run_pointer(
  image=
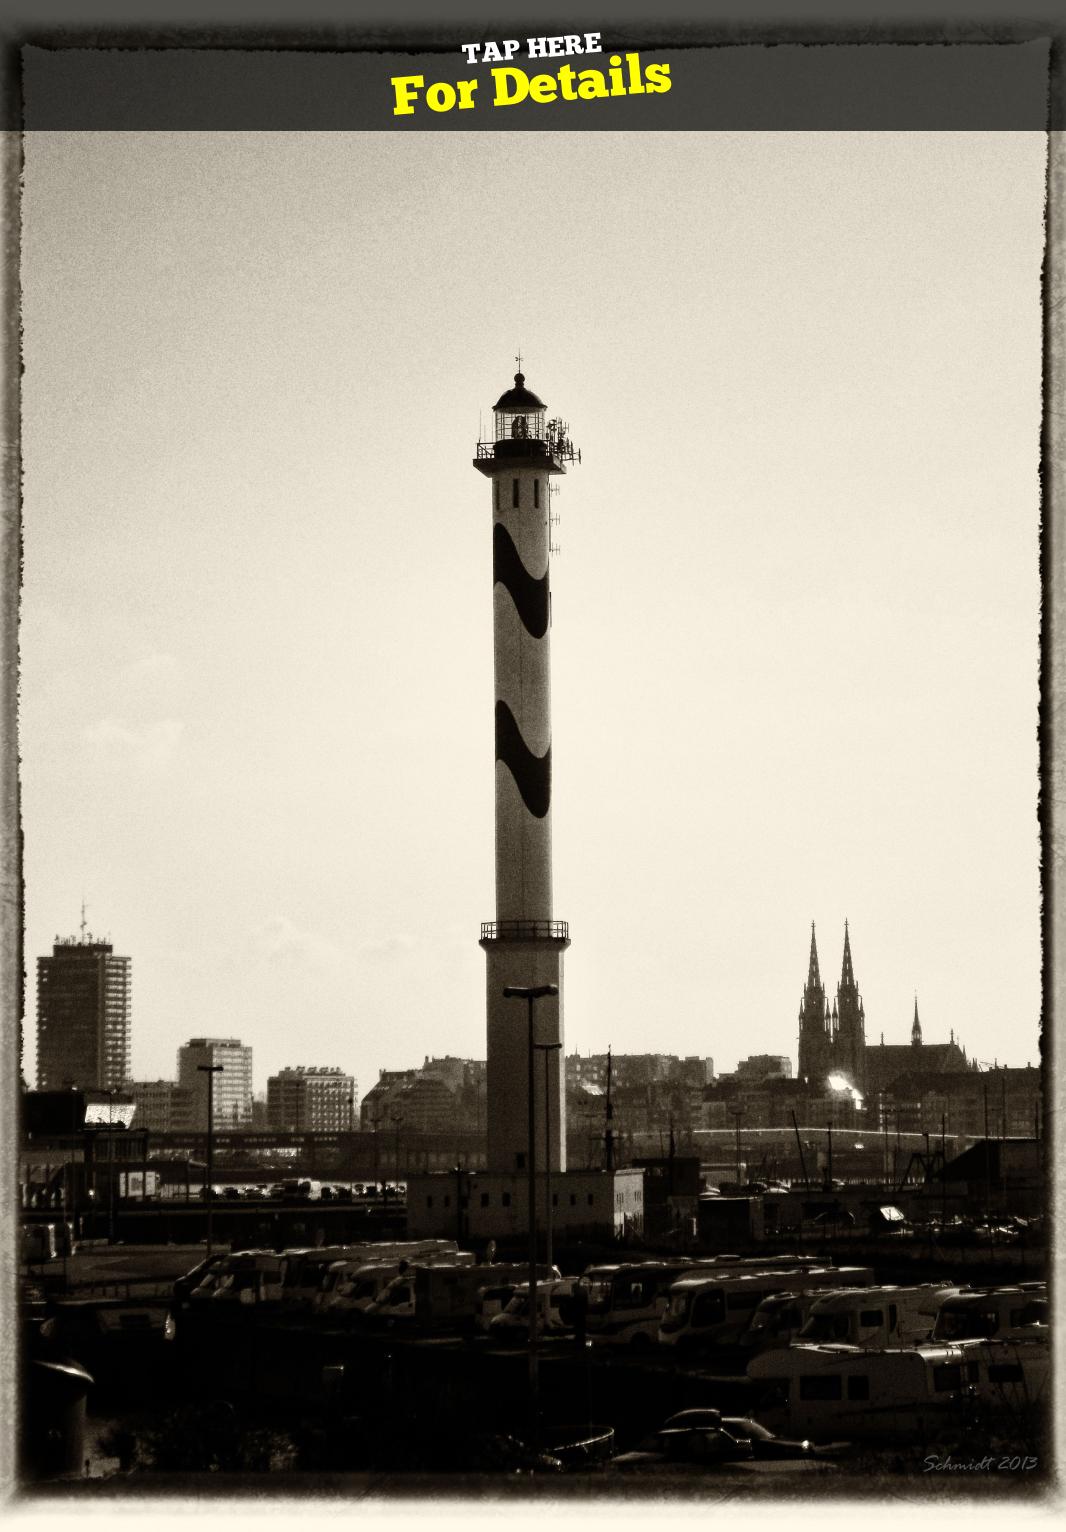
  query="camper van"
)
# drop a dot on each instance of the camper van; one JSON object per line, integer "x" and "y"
{"x": 1001, "y": 1313}
{"x": 626, "y": 1303}
{"x": 443, "y": 1297}
{"x": 710, "y": 1311}
{"x": 350, "y": 1287}
{"x": 307, "y": 1269}
{"x": 490, "y": 1301}
{"x": 832, "y": 1391}
{"x": 252, "y": 1277}
{"x": 556, "y": 1312}
{"x": 872, "y": 1317}
{"x": 779, "y": 1317}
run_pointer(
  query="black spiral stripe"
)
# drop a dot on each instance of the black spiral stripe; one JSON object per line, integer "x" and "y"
{"x": 530, "y": 596}
{"x": 532, "y": 773}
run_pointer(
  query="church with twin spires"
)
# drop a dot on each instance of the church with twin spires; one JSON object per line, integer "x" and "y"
{"x": 832, "y": 1039}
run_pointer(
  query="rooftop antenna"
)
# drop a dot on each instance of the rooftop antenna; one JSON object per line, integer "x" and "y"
{"x": 83, "y": 917}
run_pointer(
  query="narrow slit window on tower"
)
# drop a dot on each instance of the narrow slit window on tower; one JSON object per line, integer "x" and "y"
{"x": 514, "y": 493}
{"x": 496, "y": 487}
{"x": 536, "y": 494}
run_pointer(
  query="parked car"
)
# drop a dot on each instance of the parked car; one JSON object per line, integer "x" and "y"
{"x": 708, "y": 1436}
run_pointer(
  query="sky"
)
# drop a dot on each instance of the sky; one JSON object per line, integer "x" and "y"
{"x": 795, "y": 610}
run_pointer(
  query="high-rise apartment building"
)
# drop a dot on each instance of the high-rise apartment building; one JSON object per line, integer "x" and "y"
{"x": 306, "y": 1099}
{"x": 232, "y": 1106}
{"x": 83, "y": 1016}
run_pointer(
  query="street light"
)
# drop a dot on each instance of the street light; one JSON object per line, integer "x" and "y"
{"x": 531, "y": 994}
{"x": 110, "y": 1168}
{"x": 210, "y": 1070}
{"x": 547, "y": 1049}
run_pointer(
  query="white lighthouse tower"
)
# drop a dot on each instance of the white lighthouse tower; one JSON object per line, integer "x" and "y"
{"x": 524, "y": 945}
{"x": 516, "y": 1196}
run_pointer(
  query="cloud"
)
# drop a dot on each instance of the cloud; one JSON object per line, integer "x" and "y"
{"x": 149, "y": 748}
{"x": 283, "y": 942}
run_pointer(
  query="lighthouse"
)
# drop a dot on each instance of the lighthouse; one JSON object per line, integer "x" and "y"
{"x": 524, "y": 944}
{"x": 519, "y": 1192}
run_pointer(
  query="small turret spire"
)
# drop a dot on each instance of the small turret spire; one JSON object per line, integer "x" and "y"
{"x": 916, "y": 1027}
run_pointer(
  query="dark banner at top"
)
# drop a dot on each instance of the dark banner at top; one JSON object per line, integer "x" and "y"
{"x": 578, "y": 81}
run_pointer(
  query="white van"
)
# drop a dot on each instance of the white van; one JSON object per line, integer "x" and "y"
{"x": 490, "y": 1301}
{"x": 352, "y": 1286}
{"x": 705, "y": 1312}
{"x": 833, "y": 1391}
{"x": 555, "y": 1312}
{"x": 443, "y": 1295}
{"x": 248, "y": 1277}
{"x": 778, "y": 1318}
{"x": 999, "y": 1313}
{"x": 626, "y": 1303}
{"x": 872, "y": 1317}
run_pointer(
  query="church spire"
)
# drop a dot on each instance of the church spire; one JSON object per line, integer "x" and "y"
{"x": 916, "y": 1027}
{"x": 814, "y": 979}
{"x": 813, "y": 1021}
{"x": 850, "y": 1028}
{"x": 847, "y": 973}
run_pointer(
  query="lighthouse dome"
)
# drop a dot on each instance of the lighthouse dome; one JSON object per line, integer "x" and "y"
{"x": 519, "y": 398}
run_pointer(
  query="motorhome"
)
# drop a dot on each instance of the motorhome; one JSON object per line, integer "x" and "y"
{"x": 626, "y": 1303}
{"x": 490, "y": 1301}
{"x": 872, "y": 1317}
{"x": 709, "y": 1311}
{"x": 350, "y": 1287}
{"x": 1000, "y": 1313}
{"x": 444, "y": 1296}
{"x": 307, "y": 1269}
{"x": 780, "y": 1316}
{"x": 556, "y": 1312}
{"x": 248, "y": 1277}
{"x": 831, "y": 1391}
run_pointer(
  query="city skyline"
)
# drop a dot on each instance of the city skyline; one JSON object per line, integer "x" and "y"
{"x": 262, "y": 1092}
{"x": 795, "y": 617}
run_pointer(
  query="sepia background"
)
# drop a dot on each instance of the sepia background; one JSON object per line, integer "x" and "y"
{"x": 795, "y": 614}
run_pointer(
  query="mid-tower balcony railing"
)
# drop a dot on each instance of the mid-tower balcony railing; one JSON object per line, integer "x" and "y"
{"x": 525, "y": 931}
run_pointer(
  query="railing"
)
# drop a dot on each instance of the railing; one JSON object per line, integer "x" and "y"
{"x": 525, "y": 930}
{"x": 514, "y": 446}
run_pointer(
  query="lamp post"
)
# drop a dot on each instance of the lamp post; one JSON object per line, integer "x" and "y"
{"x": 351, "y": 1139}
{"x": 547, "y": 1049}
{"x": 210, "y": 1070}
{"x": 110, "y": 1168}
{"x": 74, "y": 1117}
{"x": 531, "y": 994}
